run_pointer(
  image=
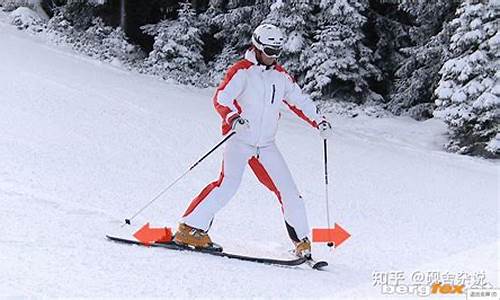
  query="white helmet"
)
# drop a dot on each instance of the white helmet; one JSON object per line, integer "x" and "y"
{"x": 268, "y": 39}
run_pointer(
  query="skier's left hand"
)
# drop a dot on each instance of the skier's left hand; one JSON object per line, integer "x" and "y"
{"x": 239, "y": 124}
{"x": 325, "y": 129}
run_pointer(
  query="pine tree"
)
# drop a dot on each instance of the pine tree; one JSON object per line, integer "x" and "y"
{"x": 99, "y": 41}
{"x": 296, "y": 19}
{"x": 340, "y": 64}
{"x": 10, "y": 5}
{"x": 417, "y": 74}
{"x": 387, "y": 32}
{"x": 26, "y": 19}
{"x": 468, "y": 92}
{"x": 416, "y": 78}
{"x": 177, "y": 48}
{"x": 231, "y": 24}
{"x": 427, "y": 20}
{"x": 80, "y": 13}
{"x": 119, "y": 50}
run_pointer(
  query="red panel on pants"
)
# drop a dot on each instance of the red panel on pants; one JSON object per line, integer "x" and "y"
{"x": 204, "y": 193}
{"x": 264, "y": 177}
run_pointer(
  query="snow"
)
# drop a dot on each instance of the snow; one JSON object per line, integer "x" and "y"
{"x": 474, "y": 88}
{"x": 476, "y": 23}
{"x": 295, "y": 43}
{"x": 24, "y": 17}
{"x": 85, "y": 144}
{"x": 35, "y": 5}
{"x": 459, "y": 96}
{"x": 496, "y": 89}
{"x": 494, "y": 41}
{"x": 276, "y": 5}
{"x": 25, "y": 14}
{"x": 494, "y": 144}
{"x": 444, "y": 92}
{"x": 486, "y": 100}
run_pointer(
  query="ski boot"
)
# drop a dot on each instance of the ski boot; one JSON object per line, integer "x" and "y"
{"x": 194, "y": 238}
{"x": 303, "y": 248}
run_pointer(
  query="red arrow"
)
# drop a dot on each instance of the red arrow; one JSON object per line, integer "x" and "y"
{"x": 337, "y": 235}
{"x": 148, "y": 236}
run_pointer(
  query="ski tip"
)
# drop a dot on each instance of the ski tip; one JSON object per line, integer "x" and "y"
{"x": 320, "y": 265}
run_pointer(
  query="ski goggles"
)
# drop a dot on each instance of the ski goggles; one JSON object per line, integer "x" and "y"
{"x": 272, "y": 52}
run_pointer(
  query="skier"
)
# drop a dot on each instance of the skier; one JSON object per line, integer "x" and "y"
{"x": 249, "y": 100}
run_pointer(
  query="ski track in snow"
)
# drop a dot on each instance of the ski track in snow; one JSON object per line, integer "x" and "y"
{"x": 84, "y": 145}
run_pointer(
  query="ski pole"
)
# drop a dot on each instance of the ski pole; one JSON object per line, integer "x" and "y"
{"x": 127, "y": 221}
{"x": 325, "y": 151}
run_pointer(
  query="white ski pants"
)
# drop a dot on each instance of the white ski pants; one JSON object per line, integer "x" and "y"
{"x": 270, "y": 168}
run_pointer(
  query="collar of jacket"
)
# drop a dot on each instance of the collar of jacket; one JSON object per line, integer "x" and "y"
{"x": 250, "y": 56}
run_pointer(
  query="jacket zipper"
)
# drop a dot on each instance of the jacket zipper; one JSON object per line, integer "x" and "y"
{"x": 274, "y": 91}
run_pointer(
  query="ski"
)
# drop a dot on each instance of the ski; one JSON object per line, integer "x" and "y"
{"x": 314, "y": 264}
{"x": 172, "y": 246}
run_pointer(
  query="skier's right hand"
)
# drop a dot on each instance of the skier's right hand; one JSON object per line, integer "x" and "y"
{"x": 239, "y": 124}
{"x": 325, "y": 129}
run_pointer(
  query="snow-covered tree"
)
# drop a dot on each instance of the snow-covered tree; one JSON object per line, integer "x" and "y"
{"x": 296, "y": 19}
{"x": 26, "y": 19}
{"x": 99, "y": 41}
{"x": 177, "y": 49}
{"x": 468, "y": 92}
{"x": 417, "y": 74}
{"x": 427, "y": 19}
{"x": 109, "y": 44}
{"x": 231, "y": 24}
{"x": 10, "y": 5}
{"x": 416, "y": 78}
{"x": 340, "y": 64}
{"x": 79, "y": 13}
{"x": 387, "y": 31}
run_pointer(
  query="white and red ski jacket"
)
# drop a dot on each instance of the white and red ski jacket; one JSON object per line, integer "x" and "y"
{"x": 256, "y": 93}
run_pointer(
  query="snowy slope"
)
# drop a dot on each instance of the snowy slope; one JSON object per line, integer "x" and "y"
{"x": 84, "y": 145}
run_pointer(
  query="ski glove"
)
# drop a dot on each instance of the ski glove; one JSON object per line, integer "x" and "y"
{"x": 325, "y": 129}
{"x": 239, "y": 124}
